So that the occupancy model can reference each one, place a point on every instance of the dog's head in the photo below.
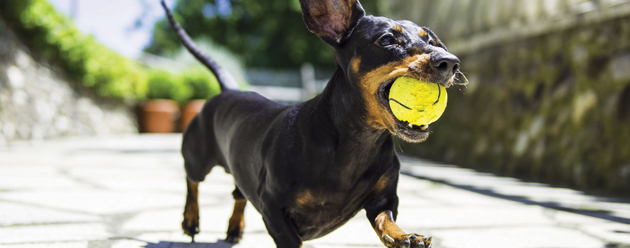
(373, 51)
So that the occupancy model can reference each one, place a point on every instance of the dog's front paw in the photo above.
(407, 241)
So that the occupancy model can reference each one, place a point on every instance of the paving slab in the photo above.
(79, 244)
(19, 214)
(129, 191)
(57, 233)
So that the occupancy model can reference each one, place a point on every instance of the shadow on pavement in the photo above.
(527, 193)
(167, 244)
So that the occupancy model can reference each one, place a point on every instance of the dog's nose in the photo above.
(445, 64)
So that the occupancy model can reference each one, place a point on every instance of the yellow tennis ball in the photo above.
(416, 101)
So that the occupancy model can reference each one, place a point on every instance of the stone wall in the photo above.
(551, 103)
(37, 103)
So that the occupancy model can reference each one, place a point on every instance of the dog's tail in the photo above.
(226, 81)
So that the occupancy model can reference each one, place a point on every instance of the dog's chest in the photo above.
(318, 211)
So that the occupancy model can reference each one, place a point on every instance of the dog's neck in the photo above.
(340, 111)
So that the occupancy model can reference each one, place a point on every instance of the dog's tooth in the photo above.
(410, 126)
(424, 127)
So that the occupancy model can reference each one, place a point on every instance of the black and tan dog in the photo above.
(310, 167)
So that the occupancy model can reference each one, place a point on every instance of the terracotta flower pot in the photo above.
(158, 116)
(189, 111)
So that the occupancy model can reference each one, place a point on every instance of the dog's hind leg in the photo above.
(191, 211)
(237, 221)
(200, 154)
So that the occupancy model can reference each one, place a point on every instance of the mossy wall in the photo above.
(553, 107)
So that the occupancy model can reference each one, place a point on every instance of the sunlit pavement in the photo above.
(129, 192)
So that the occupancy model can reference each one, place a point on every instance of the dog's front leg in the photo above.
(383, 219)
(281, 228)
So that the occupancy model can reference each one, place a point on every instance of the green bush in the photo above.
(202, 84)
(54, 37)
(195, 83)
(164, 85)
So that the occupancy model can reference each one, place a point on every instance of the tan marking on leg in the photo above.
(191, 210)
(385, 225)
(236, 224)
(192, 205)
(390, 234)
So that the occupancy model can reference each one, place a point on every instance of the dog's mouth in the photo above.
(402, 129)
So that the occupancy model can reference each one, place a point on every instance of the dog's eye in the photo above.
(387, 40)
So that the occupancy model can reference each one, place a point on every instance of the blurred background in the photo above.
(548, 99)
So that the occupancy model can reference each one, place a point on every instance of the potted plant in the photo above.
(160, 111)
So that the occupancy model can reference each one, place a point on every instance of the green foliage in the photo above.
(265, 33)
(196, 83)
(55, 37)
(202, 84)
(164, 85)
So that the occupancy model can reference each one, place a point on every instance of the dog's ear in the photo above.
(331, 20)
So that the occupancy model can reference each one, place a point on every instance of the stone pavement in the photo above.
(129, 192)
